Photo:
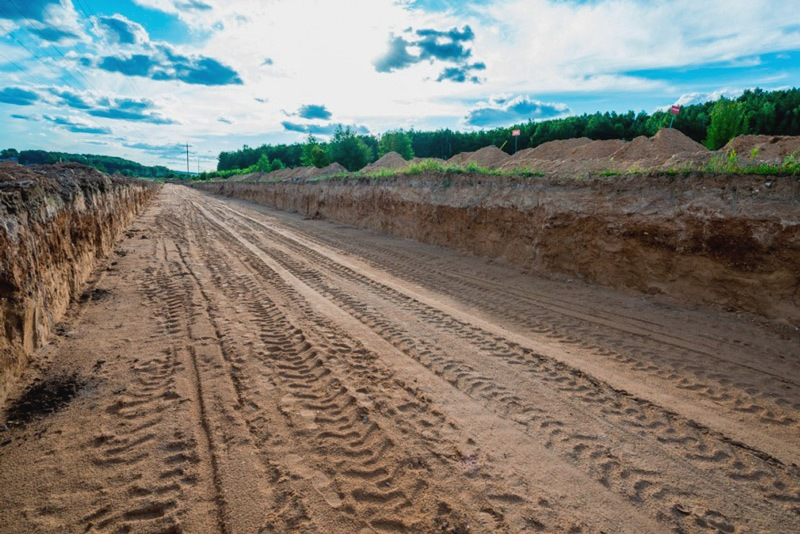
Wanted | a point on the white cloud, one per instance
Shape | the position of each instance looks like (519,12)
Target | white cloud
(559,46)
(323,52)
(700,98)
(196,13)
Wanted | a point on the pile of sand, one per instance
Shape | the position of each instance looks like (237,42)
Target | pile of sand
(297,173)
(656,150)
(301,173)
(597,149)
(459,159)
(767,148)
(554,150)
(668,149)
(489,157)
(569,155)
(333,168)
(391,160)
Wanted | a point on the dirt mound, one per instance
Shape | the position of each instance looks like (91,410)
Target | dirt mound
(391,161)
(489,157)
(600,149)
(459,159)
(295,173)
(280,174)
(333,168)
(301,173)
(565,156)
(553,150)
(659,148)
(525,159)
(764,147)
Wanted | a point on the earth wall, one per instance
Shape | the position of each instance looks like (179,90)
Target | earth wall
(56,222)
(730,241)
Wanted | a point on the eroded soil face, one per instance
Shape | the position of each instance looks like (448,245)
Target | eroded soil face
(245,370)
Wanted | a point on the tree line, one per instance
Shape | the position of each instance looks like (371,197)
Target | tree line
(711,123)
(107,164)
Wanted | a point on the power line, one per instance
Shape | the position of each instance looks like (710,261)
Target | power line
(59,75)
(38,58)
(21,69)
(50,65)
(78,83)
(85,9)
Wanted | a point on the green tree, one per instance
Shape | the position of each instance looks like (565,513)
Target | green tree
(396,141)
(761,112)
(727,121)
(349,150)
(276,165)
(314,154)
(604,126)
(263,164)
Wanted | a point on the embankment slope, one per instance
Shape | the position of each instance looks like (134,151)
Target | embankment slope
(55,222)
(730,241)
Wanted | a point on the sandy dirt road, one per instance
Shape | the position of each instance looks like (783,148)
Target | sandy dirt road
(250,371)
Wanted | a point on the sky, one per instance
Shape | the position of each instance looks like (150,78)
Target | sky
(140,79)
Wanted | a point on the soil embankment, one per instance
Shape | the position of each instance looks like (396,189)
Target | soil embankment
(55,222)
(730,241)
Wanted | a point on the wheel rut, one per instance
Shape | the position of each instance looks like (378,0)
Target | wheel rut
(690,446)
(250,371)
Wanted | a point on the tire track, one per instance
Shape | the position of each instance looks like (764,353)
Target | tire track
(628,341)
(147,466)
(384,484)
(739,397)
(687,441)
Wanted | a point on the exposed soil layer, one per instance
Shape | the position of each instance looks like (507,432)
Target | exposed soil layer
(252,370)
(55,222)
(729,241)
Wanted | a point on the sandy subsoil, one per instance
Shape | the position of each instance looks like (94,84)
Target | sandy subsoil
(243,370)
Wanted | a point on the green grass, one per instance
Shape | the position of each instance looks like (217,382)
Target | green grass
(722,163)
(729,164)
(426,167)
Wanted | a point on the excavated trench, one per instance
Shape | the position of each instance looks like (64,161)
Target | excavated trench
(56,222)
(729,241)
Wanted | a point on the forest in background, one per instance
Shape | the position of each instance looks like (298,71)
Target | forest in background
(107,164)
(711,123)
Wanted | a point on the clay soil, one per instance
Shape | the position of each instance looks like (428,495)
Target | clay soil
(236,369)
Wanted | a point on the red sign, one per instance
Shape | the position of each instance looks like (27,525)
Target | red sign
(515,132)
(675,110)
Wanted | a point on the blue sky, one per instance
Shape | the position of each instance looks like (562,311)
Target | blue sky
(140,78)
